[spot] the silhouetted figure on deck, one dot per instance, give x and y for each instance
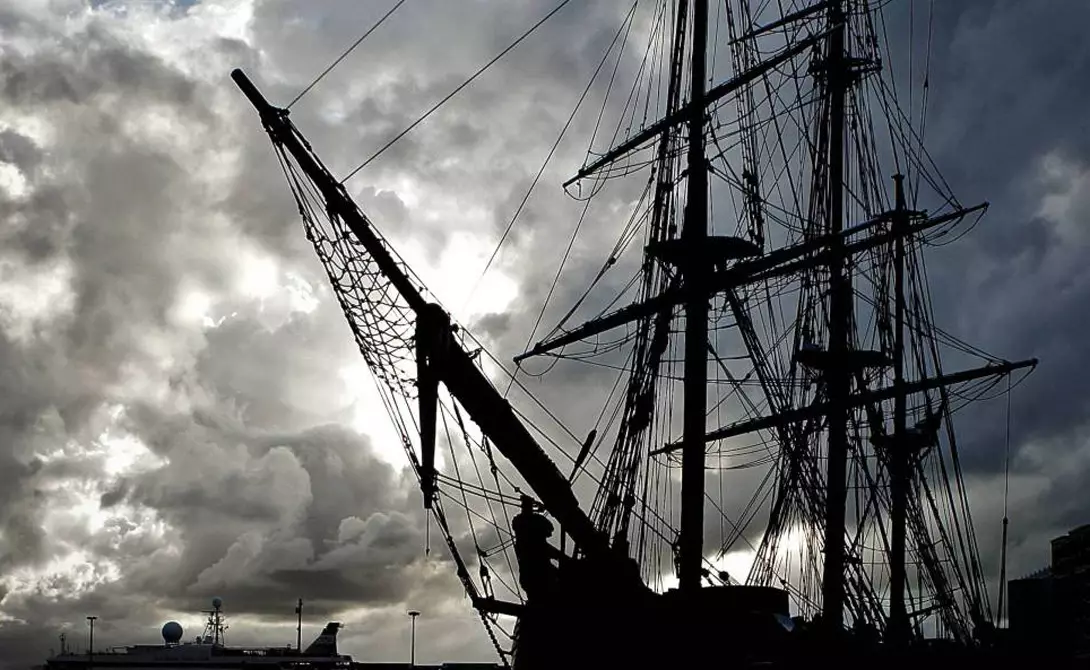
(537, 574)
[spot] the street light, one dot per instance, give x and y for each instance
(91, 644)
(299, 628)
(412, 644)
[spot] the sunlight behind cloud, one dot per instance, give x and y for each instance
(193, 308)
(32, 296)
(736, 563)
(12, 182)
(126, 455)
(368, 415)
(1065, 183)
(257, 276)
(300, 293)
(454, 278)
(37, 128)
(65, 577)
(177, 36)
(463, 261)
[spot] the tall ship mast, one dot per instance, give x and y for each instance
(776, 460)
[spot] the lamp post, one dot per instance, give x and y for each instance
(91, 643)
(412, 637)
(299, 627)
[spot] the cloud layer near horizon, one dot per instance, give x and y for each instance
(185, 414)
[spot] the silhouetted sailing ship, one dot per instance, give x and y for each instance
(781, 296)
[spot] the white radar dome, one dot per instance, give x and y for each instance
(172, 632)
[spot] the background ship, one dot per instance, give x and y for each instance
(208, 650)
(775, 320)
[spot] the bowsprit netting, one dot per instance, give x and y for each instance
(383, 324)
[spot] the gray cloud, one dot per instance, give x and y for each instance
(249, 495)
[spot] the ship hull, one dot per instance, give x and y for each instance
(103, 662)
(736, 625)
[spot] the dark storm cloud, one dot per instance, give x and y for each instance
(19, 150)
(313, 514)
(265, 515)
(1011, 67)
(483, 148)
(235, 364)
(50, 78)
(258, 502)
(31, 422)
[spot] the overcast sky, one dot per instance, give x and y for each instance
(184, 414)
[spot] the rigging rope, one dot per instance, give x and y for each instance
(345, 54)
(537, 178)
(1006, 496)
(455, 92)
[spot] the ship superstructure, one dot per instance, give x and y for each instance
(207, 651)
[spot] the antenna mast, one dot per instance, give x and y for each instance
(215, 628)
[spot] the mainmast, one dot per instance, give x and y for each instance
(840, 320)
(694, 235)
